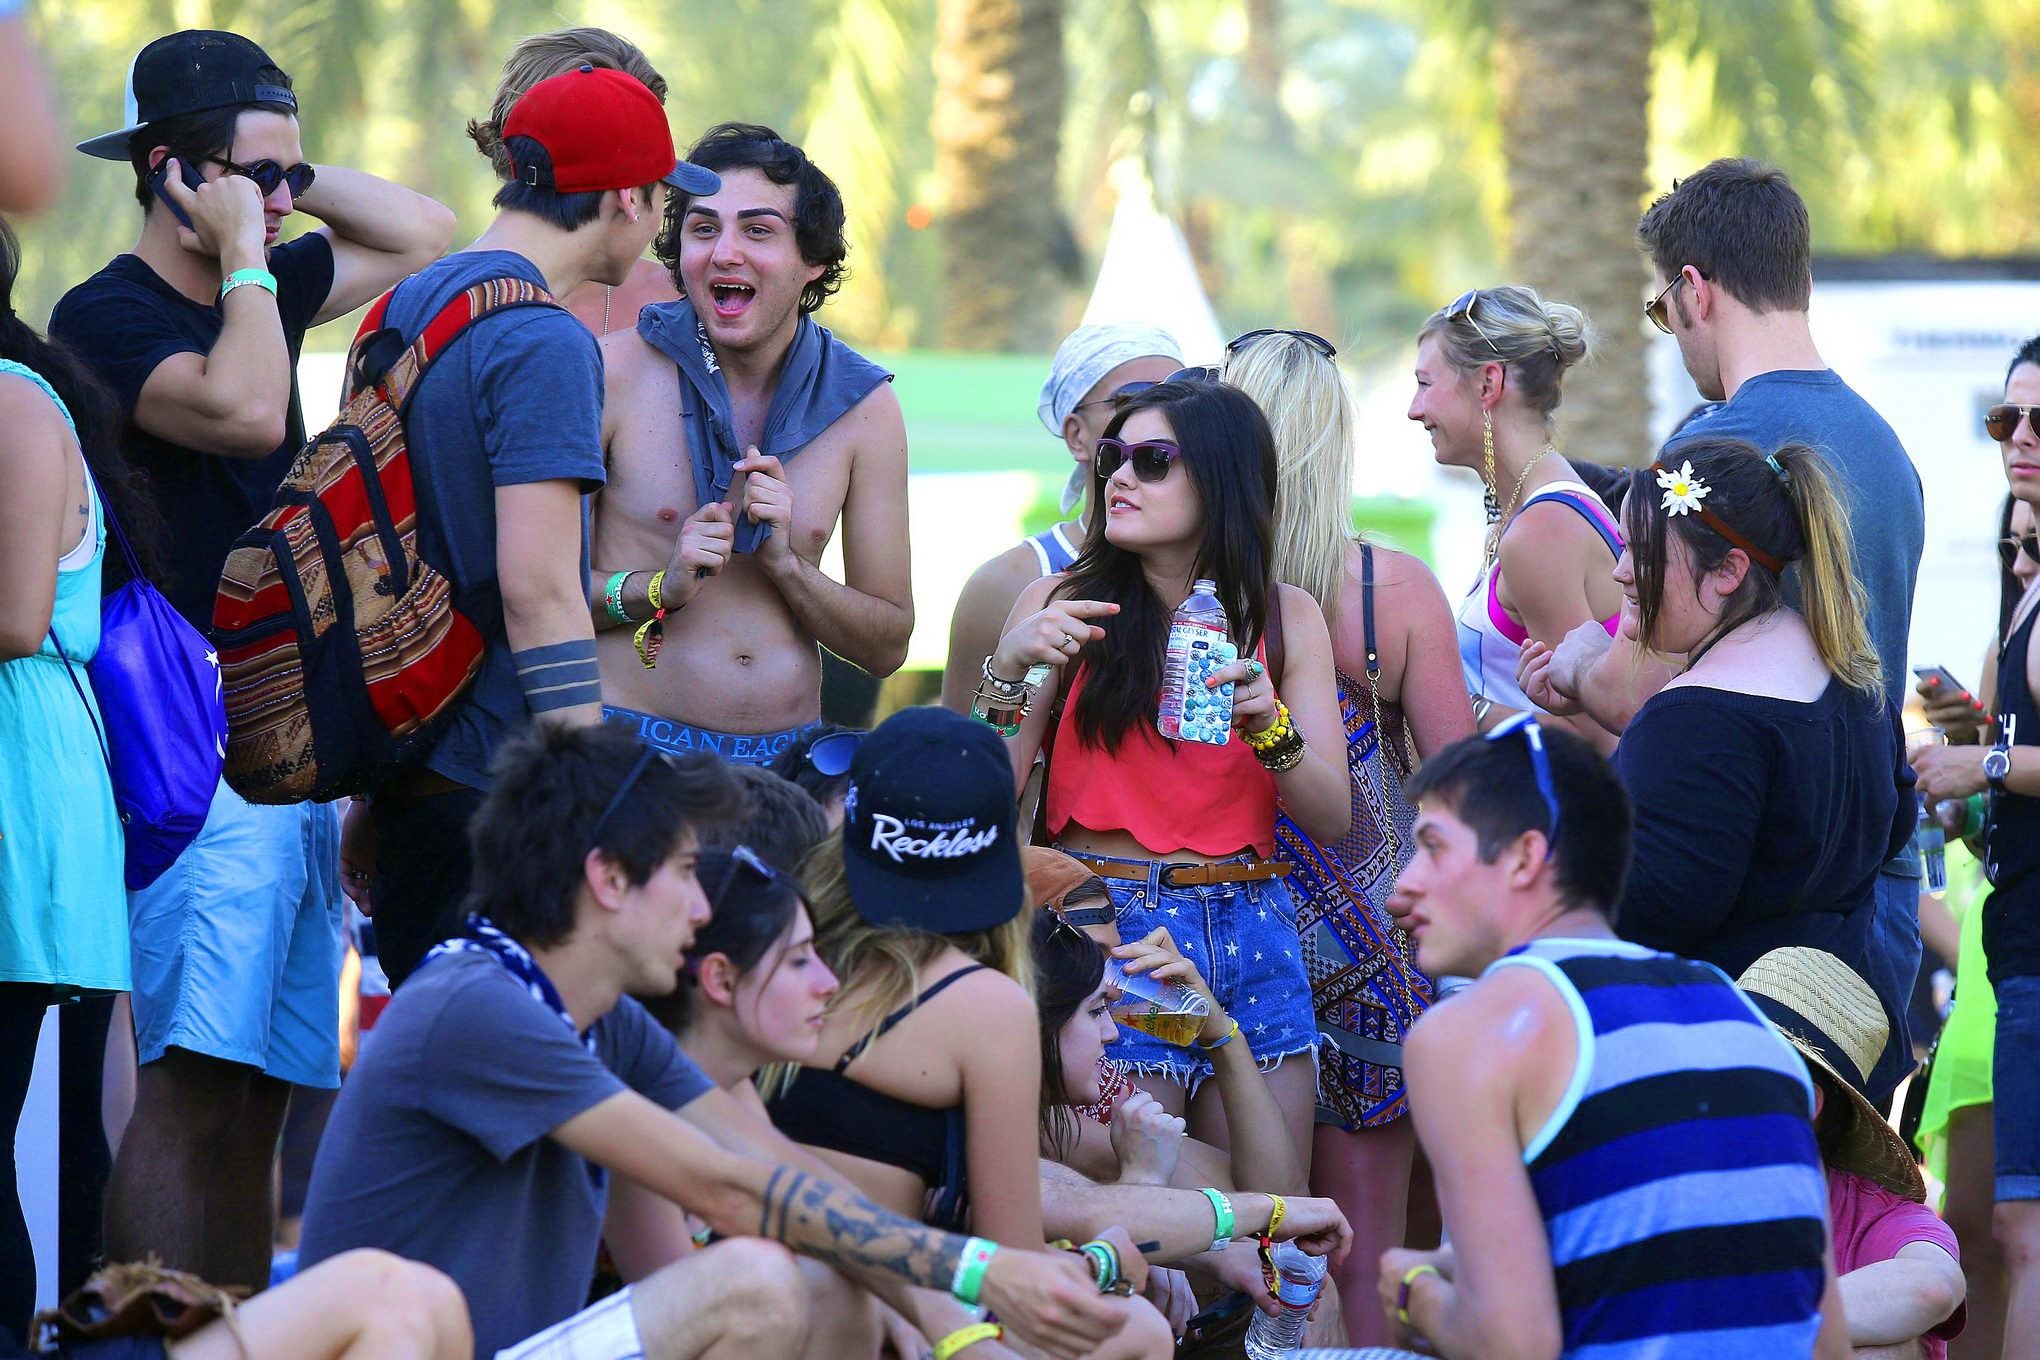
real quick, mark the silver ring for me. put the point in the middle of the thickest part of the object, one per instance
(1069, 640)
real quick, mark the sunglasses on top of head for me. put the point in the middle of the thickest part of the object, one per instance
(1150, 458)
(1540, 768)
(2001, 422)
(1463, 305)
(743, 859)
(831, 755)
(1316, 342)
(268, 174)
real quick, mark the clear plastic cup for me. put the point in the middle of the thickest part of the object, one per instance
(1168, 1010)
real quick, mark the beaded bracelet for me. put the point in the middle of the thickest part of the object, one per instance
(1275, 733)
(1284, 757)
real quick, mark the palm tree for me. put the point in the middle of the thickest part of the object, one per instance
(1574, 80)
(998, 133)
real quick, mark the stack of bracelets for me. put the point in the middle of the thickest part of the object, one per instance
(1004, 703)
(1103, 1259)
(1281, 746)
(650, 632)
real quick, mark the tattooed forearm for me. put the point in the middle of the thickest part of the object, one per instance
(851, 1233)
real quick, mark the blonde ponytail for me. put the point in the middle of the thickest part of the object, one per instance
(1831, 597)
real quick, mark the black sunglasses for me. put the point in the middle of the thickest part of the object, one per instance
(1119, 395)
(2010, 546)
(1316, 342)
(268, 174)
(1150, 457)
(1540, 766)
(831, 755)
(2002, 422)
(637, 772)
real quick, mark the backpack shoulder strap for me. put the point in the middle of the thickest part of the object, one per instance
(446, 325)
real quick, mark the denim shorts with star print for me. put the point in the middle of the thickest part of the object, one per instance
(1242, 937)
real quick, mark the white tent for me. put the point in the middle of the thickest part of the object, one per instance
(1147, 274)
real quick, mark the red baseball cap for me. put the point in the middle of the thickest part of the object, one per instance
(602, 129)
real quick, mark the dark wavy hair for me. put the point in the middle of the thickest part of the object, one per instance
(748, 915)
(1068, 966)
(818, 215)
(1229, 456)
(195, 138)
(92, 408)
(2009, 589)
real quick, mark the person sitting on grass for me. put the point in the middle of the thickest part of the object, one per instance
(1898, 1264)
(513, 1077)
(1622, 1144)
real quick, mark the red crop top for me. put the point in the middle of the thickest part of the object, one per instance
(1168, 795)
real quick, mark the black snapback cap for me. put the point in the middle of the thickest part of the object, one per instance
(190, 72)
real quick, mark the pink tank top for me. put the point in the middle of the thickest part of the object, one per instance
(1168, 795)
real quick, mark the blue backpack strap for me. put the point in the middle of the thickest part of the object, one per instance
(1587, 510)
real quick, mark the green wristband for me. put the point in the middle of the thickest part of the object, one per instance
(241, 278)
(1222, 1216)
(612, 598)
(971, 1268)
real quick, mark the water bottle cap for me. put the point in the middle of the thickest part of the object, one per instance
(1203, 587)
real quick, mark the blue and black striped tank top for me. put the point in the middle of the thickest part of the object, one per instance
(1678, 1178)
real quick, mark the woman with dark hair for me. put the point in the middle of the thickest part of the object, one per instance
(1184, 832)
(63, 910)
(1767, 777)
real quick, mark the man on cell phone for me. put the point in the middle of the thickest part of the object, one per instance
(196, 330)
(738, 433)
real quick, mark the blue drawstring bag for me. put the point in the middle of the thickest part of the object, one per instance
(157, 680)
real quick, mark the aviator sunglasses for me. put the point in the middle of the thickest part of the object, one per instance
(1150, 458)
(1658, 308)
(831, 755)
(268, 174)
(1463, 305)
(2001, 422)
(1316, 342)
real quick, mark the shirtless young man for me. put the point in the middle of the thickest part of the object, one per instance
(1085, 379)
(736, 437)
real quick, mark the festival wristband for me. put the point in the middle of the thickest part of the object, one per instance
(1222, 1040)
(1402, 1294)
(1103, 1258)
(612, 598)
(963, 1338)
(1275, 1217)
(655, 590)
(971, 1268)
(1222, 1218)
(241, 278)
(562, 675)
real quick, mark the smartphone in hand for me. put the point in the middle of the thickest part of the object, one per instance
(187, 172)
(1942, 678)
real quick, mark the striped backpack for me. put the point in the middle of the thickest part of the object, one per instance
(341, 649)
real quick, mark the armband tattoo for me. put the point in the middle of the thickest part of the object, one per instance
(562, 675)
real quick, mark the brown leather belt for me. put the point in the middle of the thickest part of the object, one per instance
(1186, 875)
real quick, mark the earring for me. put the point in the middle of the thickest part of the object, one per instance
(1487, 454)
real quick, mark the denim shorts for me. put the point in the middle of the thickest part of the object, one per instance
(236, 947)
(2015, 1082)
(1242, 937)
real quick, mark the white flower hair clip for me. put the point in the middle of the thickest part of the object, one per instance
(1683, 491)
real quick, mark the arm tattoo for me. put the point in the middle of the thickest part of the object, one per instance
(848, 1231)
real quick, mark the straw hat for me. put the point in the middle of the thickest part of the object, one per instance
(1827, 1012)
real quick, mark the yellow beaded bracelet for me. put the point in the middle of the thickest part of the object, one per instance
(1275, 732)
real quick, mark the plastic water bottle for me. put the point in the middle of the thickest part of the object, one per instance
(1932, 839)
(1196, 628)
(1300, 1279)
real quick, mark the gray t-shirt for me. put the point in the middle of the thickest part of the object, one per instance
(1887, 512)
(438, 1150)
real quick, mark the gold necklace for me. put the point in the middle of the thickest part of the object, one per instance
(1494, 543)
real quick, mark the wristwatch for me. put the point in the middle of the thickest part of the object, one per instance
(1997, 763)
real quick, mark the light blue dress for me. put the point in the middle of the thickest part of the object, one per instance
(63, 911)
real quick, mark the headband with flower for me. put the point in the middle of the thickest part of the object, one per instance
(1685, 490)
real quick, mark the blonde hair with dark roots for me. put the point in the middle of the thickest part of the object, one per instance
(1792, 512)
(882, 965)
(1537, 341)
(544, 55)
(1310, 411)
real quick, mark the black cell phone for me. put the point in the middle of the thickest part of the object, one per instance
(1941, 676)
(187, 172)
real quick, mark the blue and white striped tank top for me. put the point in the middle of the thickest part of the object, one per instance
(1679, 1179)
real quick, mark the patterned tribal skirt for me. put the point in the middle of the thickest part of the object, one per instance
(1364, 981)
